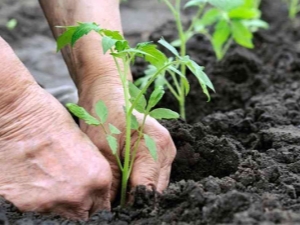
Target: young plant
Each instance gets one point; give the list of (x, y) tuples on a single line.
[(293, 7), (123, 55), (232, 20), (221, 21)]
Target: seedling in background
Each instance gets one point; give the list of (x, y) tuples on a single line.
[(221, 21), (232, 20), (293, 7), (135, 99)]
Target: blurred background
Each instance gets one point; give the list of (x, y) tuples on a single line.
[(24, 27)]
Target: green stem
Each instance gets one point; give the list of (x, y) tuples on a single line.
[(125, 174), (175, 80), (172, 90), (197, 16), (177, 15), (182, 54)]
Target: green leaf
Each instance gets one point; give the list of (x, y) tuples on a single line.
[(65, 38), (226, 5), (134, 123), (81, 113), (210, 17), (194, 3), (162, 113), (253, 25), (244, 13), (113, 34), (220, 37), (241, 34), (101, 111), (113, 143), (107, 43), (150, 143), (134, 92), (186, 85), (155, 56), (201, 76), (121, 45), (164, 43), (83, 29), (155, 97), (113, 129)]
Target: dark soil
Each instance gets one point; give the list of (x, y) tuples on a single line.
[(238, 158)]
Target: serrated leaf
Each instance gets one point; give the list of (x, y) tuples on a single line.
[(151, 145), (241, 34), (113, 129), (81, 113), (162, 113), (134, 92), (226, 5), (65, 38), (201, 76), (101, 111), (194, 3), (113, 143), (83, 29), (155, 97), (134, 123), (107, 43), (155, 57), (168, 46), (113, 34), (220, 37)]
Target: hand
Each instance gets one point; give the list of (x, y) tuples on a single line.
[(146, 171), (47, 164)]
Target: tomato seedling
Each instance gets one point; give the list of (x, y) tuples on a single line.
[(123, 55)]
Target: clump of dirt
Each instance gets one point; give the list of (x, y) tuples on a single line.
[(238, 158)]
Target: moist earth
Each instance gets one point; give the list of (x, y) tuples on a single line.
[(238, 158)]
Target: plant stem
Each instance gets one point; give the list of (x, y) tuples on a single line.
[(182, 54), (176, 13), (125, 174), (172, 90), (198, 14)]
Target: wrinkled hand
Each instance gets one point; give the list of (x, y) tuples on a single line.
[(47, 164), (146, 171)]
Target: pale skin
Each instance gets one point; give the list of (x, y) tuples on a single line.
[(50, 164)]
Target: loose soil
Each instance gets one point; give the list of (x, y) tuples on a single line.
[(238, 158)]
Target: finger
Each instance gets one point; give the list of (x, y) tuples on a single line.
[(145, 170), (167, 156), (116, 174)]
